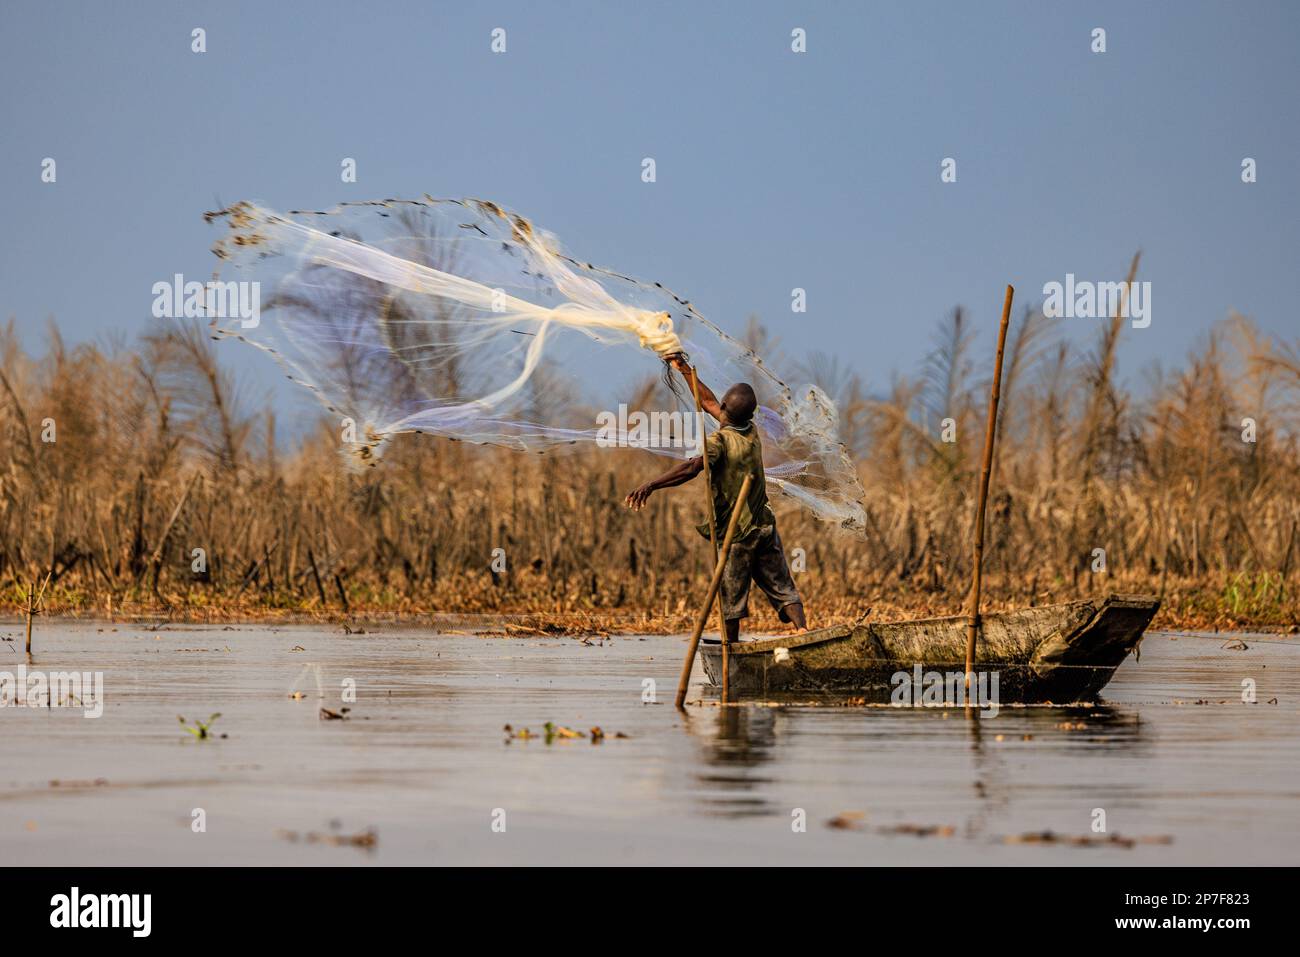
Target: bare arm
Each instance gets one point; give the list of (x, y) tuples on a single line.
[(678, 475), (708, 401)]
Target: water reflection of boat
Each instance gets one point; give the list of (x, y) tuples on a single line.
[(1058, 653)]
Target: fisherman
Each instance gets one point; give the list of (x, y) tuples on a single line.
[(734, 451)]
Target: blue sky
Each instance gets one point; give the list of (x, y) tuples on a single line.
[(775, 170)]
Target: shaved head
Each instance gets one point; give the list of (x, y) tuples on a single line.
[(739, 403)]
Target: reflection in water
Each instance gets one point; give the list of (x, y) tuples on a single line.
[(421, 758), (741, 740), (994, 783)]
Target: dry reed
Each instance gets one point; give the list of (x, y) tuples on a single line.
[(157, 455)]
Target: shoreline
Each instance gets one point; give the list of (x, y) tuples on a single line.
[(564, 624)]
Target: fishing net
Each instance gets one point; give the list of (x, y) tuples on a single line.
[(459, 319)]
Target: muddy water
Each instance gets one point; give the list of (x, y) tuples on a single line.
[(421, 760)]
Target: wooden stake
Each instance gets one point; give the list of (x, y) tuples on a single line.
[(31, 604), (713, 526), (982, 493), (315, 573), (712, 594), (343, 595), (34, 599)]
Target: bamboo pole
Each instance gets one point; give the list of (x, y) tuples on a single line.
[(712, 593), (982, 493), (713, 527)]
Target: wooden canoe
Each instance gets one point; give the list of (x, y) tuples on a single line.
[(1058, 653)]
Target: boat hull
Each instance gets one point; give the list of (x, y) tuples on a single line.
[(1053, 653)]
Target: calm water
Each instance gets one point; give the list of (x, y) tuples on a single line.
[(423, 762)]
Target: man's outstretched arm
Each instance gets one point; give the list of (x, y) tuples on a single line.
[(708, 401), (678, 475)]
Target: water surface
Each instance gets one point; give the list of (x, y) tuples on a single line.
[(422, 763)]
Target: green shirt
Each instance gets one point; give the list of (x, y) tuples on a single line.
[(734, 453)]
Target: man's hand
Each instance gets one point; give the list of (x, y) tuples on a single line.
[(708, 401), (636, 499), (673, 477)]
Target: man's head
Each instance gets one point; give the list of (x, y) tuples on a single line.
[(738, 404)]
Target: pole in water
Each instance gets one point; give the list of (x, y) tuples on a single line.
[(34, 600), (982, 493), (712, 593), (713, 526), (31, 599)]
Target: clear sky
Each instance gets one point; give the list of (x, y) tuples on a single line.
[(775, 169)]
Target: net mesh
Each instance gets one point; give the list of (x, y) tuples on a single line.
[(458, 318)]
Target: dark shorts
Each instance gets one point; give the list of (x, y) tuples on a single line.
[(761, 559)]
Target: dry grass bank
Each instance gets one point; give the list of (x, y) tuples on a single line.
[(156, 454)]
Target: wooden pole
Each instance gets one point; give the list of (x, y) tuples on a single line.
[(982, 494), (713, 526), (34, 600), (712, 593), (31, 604)]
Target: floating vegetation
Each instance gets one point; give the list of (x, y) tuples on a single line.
[(856, 821), (369, 838), (920, 830), (848, 821), (1085, 840), (202, 730), (553, 732)]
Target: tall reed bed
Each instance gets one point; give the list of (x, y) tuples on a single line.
[(165, 491)]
